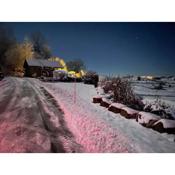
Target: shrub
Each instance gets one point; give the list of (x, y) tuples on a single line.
[(75, 65), (91, 77), (138, 78), (122, 92), (160, 108), (106, 84), (160, 86)]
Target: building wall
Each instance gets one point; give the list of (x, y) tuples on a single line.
[(33, 71), (37, 71)]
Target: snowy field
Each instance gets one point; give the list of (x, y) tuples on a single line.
[(147, 91), (60, 117)]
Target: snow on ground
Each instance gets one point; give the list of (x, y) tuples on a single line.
[(147, 91), (47, 117), (94, 134), (100, 130), (117, 105), (30, 121), (145, 118), (166, 123)]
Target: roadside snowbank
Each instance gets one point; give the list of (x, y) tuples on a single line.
[(93, 134), (100, 130), (147, 119)]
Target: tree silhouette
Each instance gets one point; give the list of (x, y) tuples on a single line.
[(40, 46)]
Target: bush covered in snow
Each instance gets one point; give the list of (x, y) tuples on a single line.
[(91, 77), (121, 92), (165, 125), (160, 108), (147, 119)]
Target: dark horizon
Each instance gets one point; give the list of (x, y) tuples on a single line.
[(110, 48)]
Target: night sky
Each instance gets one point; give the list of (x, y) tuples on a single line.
[(110, 48)]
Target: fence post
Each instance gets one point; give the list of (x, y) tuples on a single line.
[(74, 95)]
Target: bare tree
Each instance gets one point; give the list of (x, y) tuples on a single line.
[(75, 65), (40, 46), (7, 40)]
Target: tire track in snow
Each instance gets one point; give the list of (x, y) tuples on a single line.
[(8, 89), (33, 122), (20, 131), (62, 140)]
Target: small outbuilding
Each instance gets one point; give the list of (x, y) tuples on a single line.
[(40, 67)]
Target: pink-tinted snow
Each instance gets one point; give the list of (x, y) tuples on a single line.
[(99, 130), (93, 134), (31, 120), (130, 110), (117, 105)]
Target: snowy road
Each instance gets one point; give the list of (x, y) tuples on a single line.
[(43, 117), (31, 120)]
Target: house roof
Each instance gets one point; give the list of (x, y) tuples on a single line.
[(43, 63)]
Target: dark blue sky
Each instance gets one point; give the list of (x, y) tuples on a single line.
[(111, 48)]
